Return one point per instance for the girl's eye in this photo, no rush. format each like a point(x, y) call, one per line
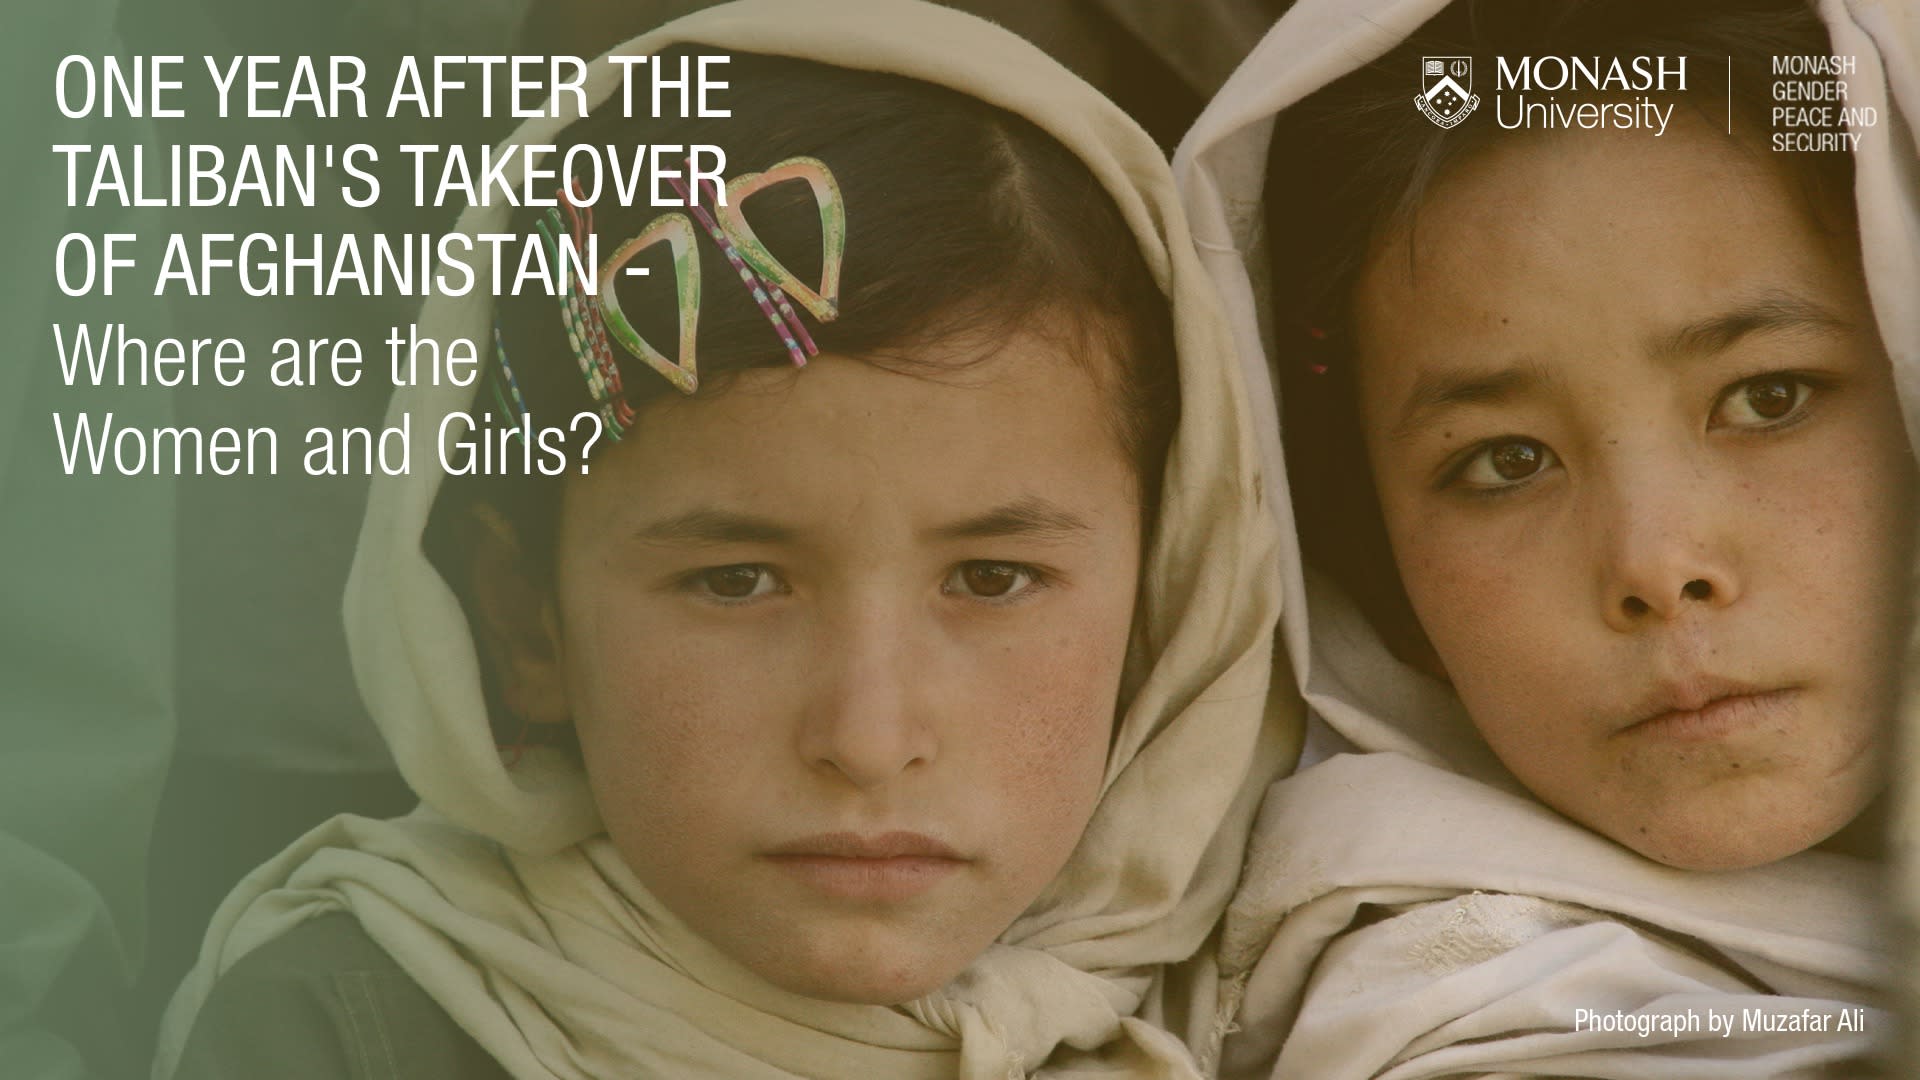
point(742, 581)
point(1761, 402)
point(1505, 463)
point(992, 580)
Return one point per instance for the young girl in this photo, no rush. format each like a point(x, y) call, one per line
point(902, 665)
point(1603, 495)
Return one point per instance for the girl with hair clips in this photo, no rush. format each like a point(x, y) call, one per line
point(895, 669)
point(1594, 445)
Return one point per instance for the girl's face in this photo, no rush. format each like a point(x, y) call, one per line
point(843, 648)
point(1643, 469)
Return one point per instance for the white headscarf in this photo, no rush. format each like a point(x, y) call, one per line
point(1423, 823)
point(502, 896)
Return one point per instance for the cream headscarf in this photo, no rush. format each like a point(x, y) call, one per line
point(1494, 918)
point(501, 895)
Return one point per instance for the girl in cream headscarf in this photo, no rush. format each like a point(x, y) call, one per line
point(1603, 498)
point(911, 671)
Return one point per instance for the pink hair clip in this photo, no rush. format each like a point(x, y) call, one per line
point(594, 321)
point(766, 278)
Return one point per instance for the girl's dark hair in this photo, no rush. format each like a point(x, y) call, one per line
point(966, 225)
point(1350, 166)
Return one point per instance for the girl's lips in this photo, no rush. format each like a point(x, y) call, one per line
point(868, 880)
point(867, 868)
point(853, 845)
point(1697, 717)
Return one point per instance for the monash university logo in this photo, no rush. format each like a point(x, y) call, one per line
point(1446, 84)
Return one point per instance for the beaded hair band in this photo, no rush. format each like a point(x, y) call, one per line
point(591, 320)
point(580, 314)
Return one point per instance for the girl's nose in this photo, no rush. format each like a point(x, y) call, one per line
point(1667, 551)
point(863, 724)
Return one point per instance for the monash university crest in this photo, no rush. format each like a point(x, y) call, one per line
point(1446, 84)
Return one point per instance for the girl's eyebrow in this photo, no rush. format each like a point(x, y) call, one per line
point(1772, 311)
point(1449, 388)
point(1031, 517)
point(707, 526)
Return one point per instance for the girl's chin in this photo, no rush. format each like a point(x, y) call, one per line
point(1749, 843)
